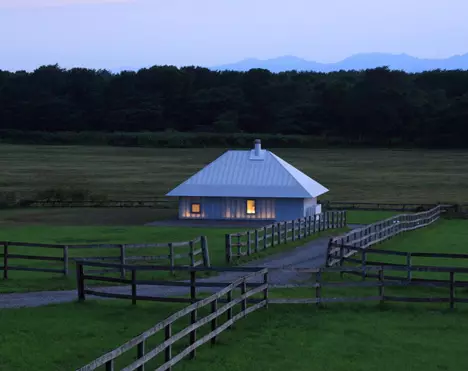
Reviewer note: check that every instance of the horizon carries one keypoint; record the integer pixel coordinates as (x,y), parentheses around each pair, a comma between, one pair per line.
(115,34)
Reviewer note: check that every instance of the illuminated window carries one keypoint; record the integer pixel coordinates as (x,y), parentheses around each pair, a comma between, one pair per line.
(250,206)
(196,209)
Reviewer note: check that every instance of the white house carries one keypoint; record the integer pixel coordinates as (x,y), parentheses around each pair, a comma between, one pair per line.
(253,184)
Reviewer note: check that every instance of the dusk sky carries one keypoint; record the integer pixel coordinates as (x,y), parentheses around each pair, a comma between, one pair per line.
(140,33)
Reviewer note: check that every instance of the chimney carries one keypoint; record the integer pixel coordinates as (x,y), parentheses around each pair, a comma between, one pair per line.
(258,147)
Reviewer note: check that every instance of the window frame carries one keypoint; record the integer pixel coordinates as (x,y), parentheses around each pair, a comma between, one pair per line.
(199,208)
(254,206)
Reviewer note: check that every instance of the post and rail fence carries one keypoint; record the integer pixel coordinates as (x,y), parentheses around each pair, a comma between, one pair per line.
(195,253)
(220,318)
(378,232)
(320,281)
(250,242)
(248,304)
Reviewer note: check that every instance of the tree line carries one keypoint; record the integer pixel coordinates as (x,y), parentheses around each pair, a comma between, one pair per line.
(377,106)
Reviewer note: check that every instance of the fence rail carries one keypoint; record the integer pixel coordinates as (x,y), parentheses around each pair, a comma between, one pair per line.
(253,241)
(379,272)
(378,232)
(139,343)
(196,253)
(407,265)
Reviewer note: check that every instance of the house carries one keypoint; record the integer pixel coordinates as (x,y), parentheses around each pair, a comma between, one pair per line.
(254,184)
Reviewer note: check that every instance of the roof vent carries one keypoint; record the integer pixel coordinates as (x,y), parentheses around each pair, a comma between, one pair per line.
(258,147)
(257,153)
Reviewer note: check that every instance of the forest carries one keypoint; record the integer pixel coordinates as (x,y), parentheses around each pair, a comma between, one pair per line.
(377,106)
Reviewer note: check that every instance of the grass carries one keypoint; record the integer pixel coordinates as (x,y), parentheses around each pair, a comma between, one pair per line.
(369,217)
(445,236)
(350,174)
(296,337)
(20,281)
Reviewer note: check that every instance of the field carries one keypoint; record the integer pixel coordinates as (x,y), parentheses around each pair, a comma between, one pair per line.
(296,337)
(138,173)
(362,336)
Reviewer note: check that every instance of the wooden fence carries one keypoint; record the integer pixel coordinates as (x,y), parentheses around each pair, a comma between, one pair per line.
(406,265)
(196,254)
(379,272)
(163,203)
(253,241)
(375,206)
(138,344)
(378,232)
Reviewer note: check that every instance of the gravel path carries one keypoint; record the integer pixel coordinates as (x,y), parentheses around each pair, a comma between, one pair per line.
(311,255)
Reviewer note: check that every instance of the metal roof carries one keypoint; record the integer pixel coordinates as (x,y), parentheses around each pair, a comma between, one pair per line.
(249,174)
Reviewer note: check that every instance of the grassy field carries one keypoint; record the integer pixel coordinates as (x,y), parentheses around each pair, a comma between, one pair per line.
(297,337)
(20,281)
(445,236)
(134,173)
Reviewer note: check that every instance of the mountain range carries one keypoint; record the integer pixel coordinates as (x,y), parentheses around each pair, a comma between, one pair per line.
(363,61)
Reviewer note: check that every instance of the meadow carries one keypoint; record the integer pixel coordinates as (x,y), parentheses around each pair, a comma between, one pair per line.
(144,173)
(362,336)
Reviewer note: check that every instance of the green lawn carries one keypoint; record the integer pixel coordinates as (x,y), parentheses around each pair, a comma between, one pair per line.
(20,281)
(445,236)
(295,337)
(369,217)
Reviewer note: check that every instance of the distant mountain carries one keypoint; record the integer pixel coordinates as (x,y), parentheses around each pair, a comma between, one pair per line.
(356,62)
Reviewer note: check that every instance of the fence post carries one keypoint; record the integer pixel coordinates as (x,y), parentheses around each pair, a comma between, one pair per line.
(265,292)
(228,248)
(318,287)
(363,263)
(65,261)
(452,290)
(272,235)
(214,321)
(110,365)
(278,231)
(333,219)
(193,314)
(244,300)
(293,230)
(256,240)
(171,256)
(134,287)
(205,251)
(122,261)
(141,354)
(192,255)
(341,257)
(408,266)
(80,281)
(5,261)
(310,225)
(229,311)
(381,286)
(248,244)
(167,336)
(264,238)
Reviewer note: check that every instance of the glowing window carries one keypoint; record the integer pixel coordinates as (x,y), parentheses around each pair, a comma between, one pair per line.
(196,209)
(250,206)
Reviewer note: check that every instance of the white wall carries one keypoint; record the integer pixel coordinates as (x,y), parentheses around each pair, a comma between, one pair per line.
(310,206)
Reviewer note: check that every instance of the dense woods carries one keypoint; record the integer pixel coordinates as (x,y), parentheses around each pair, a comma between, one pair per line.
(376,106)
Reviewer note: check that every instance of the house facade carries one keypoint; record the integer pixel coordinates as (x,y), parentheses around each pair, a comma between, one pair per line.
(248,185)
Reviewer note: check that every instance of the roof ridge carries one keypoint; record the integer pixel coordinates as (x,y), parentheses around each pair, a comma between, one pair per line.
(280,160)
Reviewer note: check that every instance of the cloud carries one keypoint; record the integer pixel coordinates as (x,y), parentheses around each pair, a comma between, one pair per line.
(52,3)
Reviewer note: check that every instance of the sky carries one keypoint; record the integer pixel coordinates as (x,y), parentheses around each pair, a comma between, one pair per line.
(116,34)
